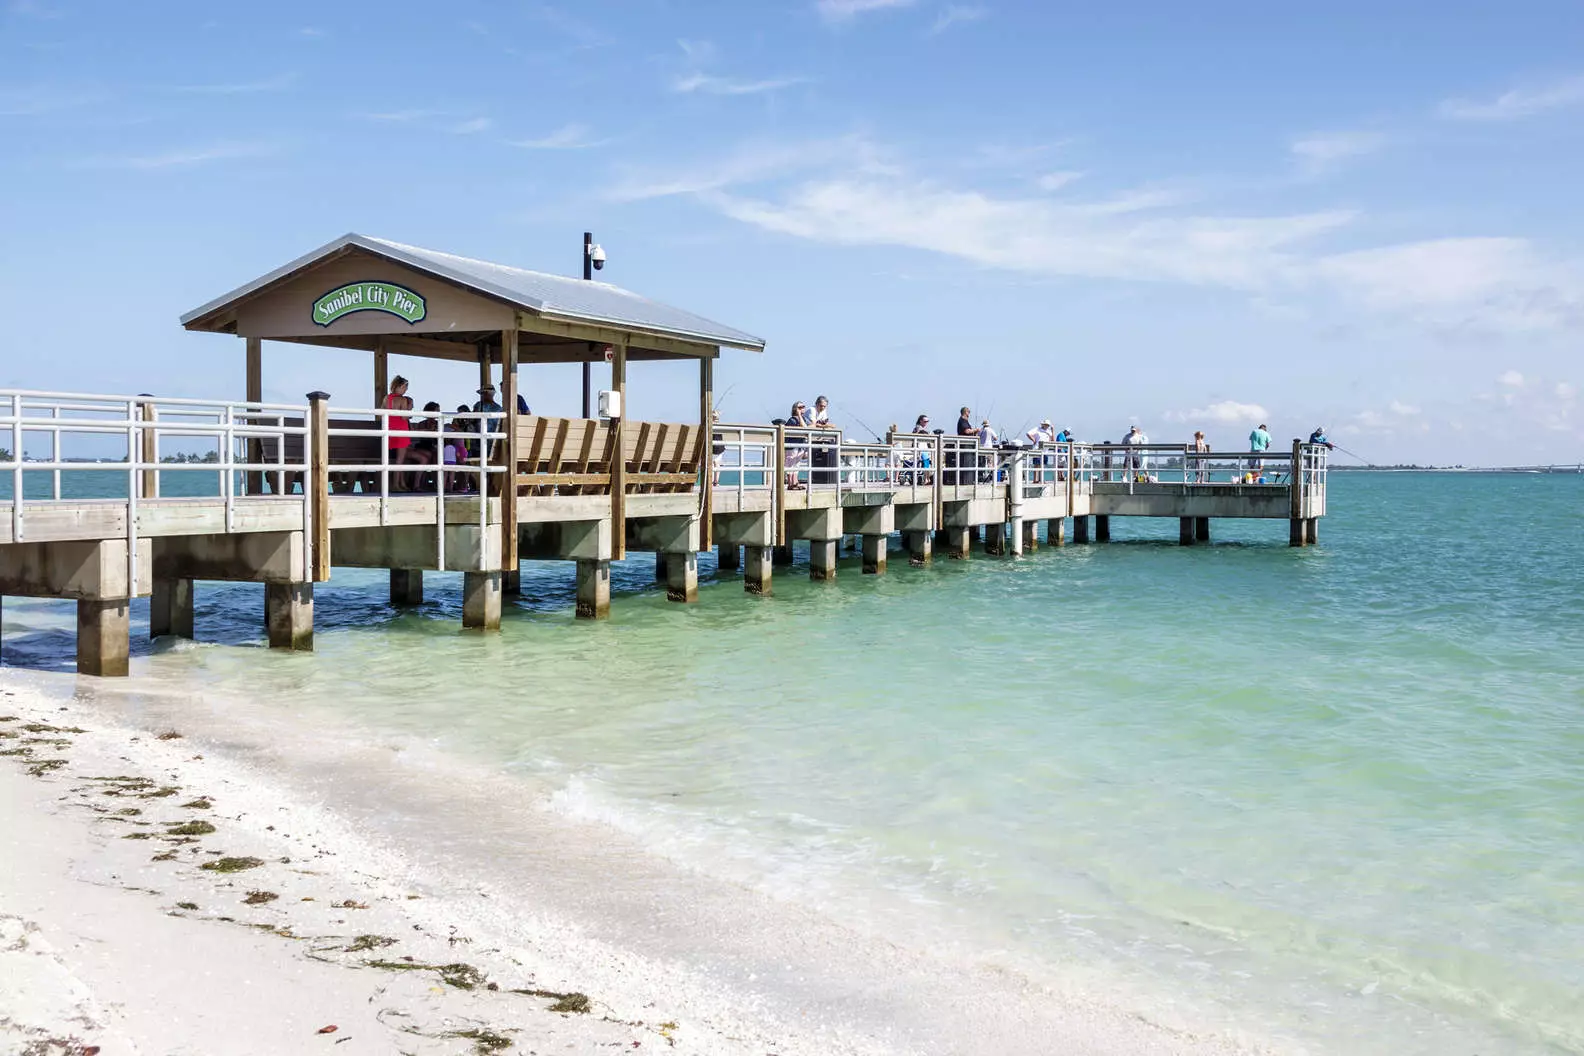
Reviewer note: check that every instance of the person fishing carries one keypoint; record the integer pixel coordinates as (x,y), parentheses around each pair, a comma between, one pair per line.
(1319,437)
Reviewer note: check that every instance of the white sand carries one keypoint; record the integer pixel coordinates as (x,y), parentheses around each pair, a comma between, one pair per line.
(96,949)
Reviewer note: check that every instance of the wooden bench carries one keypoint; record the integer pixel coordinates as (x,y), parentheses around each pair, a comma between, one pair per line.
(573,456)
(344,451)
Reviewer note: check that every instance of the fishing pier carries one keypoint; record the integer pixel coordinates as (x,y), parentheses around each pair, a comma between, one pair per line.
(289,491)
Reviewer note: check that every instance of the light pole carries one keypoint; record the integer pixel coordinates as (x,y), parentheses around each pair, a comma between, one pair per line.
(593,260)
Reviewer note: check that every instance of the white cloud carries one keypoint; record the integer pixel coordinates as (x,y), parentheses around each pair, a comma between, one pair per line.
(955,14)
(712,85)
(402,116)
(568,137)
(1324,152)
(1403,410)
(1512,379)
(749,163)
(1055,181)
(310,31)
(1566,390)
(472,126)
(846,10)
(1225,412)
(1519,102)
(279,83)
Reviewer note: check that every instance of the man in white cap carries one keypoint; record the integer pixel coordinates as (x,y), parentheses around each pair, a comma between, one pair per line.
(487,402)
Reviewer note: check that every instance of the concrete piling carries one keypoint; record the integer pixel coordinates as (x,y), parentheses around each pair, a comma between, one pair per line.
(682,577)
(481,600)
(1201,529)
(1185,531)
(1080,529)
(1102,528)
(920,552)
(729,558)
(1056,531)
(104,636)
(822,560)
(593,590)
(406,587)
(1297,532)
(171,608)
(1312,532)
(511,582)
(874,554)
(995,539)
(288,615)
(1030,536)
(757,569)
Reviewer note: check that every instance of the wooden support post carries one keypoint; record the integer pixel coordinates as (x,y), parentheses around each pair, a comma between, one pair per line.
(1056,532)
(481,600)
(756,569)
(782,555)
(318,484)
(593,590)
(682,576)
(1030,536)
(288,615)
(171,608)
(381,373)
(707,452)
(920,552)
(1201,529)
(253,481)
(729,559)
(406,587)
(1297,532)
(148,452)
(1102,528)
(1312,531)
(1295,482)
(619,461)
(1185,531)
(104,637)
(661,575)
(484,368)
(508,481)
(1080,529)
(511,581)
(874,554)
(822,560)
(994,540)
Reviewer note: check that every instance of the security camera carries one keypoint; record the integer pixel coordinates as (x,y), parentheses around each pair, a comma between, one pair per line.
(597,256)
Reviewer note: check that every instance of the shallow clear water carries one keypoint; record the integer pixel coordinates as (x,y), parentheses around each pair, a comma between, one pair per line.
(1336,791)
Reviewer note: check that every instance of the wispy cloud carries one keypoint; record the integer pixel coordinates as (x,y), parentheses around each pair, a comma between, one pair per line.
(837,11)
(1324,152)
(403,116)
(957,14)
(1519,102)
(188,157)
(33,9)
(1055,181)
(1512,379)
(311,32)
(1403,410)
(1565,390)
(568,137)
(472,126)
(582,34)
(41,99)
(279,83)
(749,163)
(712,85)
(1224,412)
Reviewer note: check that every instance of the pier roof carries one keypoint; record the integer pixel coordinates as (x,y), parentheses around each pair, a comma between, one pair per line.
(552,305)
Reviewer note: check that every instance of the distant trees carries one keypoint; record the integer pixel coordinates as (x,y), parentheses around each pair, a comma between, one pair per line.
(193,458)
(5,454)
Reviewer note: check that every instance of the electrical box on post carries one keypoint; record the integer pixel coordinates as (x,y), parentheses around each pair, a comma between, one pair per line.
(610,403)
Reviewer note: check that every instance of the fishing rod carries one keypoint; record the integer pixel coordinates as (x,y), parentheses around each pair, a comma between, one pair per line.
(860,421)
(721,399)
(1361,458)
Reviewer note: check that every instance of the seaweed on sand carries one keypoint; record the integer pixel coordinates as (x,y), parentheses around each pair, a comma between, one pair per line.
(190,828)
(461,976)
(570,1002)
(231,865)
(40,767)
(258,898)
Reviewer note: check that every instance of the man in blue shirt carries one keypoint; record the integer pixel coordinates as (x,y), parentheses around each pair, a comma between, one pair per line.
(1319,437)
(1259,440)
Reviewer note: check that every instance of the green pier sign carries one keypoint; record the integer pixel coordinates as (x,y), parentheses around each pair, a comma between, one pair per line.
(369,297)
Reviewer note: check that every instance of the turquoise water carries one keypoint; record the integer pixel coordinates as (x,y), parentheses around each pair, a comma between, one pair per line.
(1335,792)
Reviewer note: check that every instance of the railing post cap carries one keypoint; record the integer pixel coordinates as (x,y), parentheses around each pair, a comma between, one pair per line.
(318,394)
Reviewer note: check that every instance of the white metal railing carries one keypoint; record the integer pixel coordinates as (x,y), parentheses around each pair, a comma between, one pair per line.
(120,437)
(742,458)
(474,437)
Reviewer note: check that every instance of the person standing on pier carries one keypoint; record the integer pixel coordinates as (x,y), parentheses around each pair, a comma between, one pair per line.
(1201,447)
(1319,437)
(397,442)
(1259,441)
(1135,462)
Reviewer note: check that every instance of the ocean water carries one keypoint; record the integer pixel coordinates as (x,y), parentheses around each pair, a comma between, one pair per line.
(1333,795)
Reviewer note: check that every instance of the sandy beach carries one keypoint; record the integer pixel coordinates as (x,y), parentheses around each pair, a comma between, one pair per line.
(164,893)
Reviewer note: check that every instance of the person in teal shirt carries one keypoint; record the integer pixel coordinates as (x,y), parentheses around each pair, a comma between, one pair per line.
(1259,440)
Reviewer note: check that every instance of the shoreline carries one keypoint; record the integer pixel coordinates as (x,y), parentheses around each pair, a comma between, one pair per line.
(664,961)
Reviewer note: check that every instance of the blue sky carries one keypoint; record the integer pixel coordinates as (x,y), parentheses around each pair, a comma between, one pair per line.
(1185,216)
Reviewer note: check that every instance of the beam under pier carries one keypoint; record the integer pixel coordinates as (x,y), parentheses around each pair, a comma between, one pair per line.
(288,615)
(171,608)
(593,590)
(757,568)
(104,636)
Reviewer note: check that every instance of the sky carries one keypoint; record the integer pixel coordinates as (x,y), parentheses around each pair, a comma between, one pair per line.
(1357,215)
